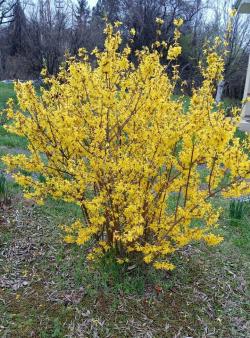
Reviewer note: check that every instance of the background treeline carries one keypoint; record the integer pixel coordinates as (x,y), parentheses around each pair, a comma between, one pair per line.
(35,35)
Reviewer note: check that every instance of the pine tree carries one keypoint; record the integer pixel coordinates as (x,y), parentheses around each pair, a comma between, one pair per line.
(82,12)
(107,8)
(18,30)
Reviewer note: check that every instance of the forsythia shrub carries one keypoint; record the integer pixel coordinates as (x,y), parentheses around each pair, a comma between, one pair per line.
(113,139)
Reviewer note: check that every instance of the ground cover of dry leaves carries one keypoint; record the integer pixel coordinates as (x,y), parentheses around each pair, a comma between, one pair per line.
(48,290)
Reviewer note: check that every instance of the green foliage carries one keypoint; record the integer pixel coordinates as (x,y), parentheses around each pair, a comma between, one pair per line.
(236,210)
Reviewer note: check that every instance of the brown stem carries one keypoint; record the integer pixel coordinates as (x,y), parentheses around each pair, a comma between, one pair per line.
(85,213)
(212,194)
(211,174)
(189,175)
(177,204)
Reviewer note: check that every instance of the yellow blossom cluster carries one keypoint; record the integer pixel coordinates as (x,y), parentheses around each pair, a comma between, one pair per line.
(132,31)
(175,50)
(178,22)
(159,21)
(112,138)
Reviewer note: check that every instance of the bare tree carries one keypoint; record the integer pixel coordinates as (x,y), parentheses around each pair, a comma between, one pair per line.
(6,11)
(239,43)
(53,33)
(38,38)
(80,28)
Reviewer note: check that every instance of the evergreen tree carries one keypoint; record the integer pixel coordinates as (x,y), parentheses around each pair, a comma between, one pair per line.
(17,30)
(107,8)
(82,12)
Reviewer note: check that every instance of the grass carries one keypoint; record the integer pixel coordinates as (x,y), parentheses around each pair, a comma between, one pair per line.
(238,226)
(7,139)
(48,290)
(237,210)
(11,140)
(6,92)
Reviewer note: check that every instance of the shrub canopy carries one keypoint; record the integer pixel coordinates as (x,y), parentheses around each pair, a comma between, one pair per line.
(115,140)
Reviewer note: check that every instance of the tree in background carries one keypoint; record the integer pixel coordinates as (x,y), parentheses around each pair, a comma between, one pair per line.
(109,9)
(236,59)
(49,35)
(55,27)
(15,43)
(18,31)
(80,32)
(6,11)
(141,16)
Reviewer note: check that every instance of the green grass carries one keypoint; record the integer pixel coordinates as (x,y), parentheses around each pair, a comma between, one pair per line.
(6,92)
(238,226)
(7,139)
(237,209)
(228,102)
(11,140)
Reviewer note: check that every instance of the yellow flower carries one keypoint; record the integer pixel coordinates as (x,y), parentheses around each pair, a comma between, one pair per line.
(148,258)
(69,239)
(164,44)
(178,22)
(174,52)
(44,72)
(164,266)
(157,44)
(117,24)
(122,260)
(232,12)
(212,239)
(159,21)
(132,31)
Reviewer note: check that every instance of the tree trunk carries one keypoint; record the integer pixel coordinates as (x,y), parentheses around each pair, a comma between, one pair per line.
(219,92)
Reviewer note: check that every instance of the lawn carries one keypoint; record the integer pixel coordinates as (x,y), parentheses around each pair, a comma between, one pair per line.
(8,140)
(6,92)
(48,290)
